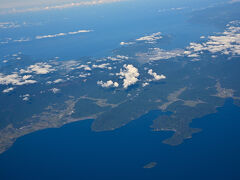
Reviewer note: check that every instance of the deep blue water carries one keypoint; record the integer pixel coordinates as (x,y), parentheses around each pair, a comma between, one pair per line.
(74,152)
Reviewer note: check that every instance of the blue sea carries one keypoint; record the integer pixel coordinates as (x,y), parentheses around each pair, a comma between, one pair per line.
(110,25)
(75,152)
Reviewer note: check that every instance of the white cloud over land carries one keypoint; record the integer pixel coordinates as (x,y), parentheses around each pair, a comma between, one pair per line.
(151,38)
(14,79)
(129,74)
(38,68)
(227,43)
(155,75)
(108,84)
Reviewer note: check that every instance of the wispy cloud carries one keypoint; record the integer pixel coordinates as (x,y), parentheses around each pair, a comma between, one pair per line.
(171,9)
(8,25)
(101,66)
(19,9)
(157,54)
(62,34)
(118,58)
(39,37)
(234,1)
(151,39)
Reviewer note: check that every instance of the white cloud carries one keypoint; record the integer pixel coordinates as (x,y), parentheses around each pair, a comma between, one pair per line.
(158,54)
(155,75)
(7,25)
(171,9)
(25,97)
(14,79)
(85,67)
(26,77)
(38,68)
(62,34)
(193,55)
(58,81)
(145,84)
(129,74)
(84,75)
(22,40)
(80,31)
(151,38)
(55,90)
(147,39)
(126,43)
(35,6)
(108,84)
(118,58)
(8,90)
(101,66)
(227,42)
(234,1)
(122,57)
(26,39)
(51,36)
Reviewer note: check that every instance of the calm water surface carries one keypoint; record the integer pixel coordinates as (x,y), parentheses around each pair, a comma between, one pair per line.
(75,152)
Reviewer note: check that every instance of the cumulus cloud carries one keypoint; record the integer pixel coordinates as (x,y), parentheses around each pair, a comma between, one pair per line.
(14,79)
(38,68)
(129,75)
(8,90)
(155,75)
(151,38)
(108,84)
